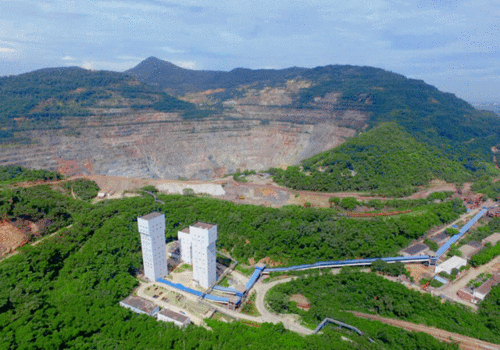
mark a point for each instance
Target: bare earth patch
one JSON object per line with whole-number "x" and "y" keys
{"x": 419, "y": 271}
{"x": 302, "y": 302}
{"x": 11, "y": 238}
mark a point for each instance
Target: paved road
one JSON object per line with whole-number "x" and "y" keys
{"x": 288, "y": 320}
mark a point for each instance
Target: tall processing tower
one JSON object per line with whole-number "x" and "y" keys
{"x": 204, "y": 255}
{"x": 198, "y": 249}
{"x": 154, "y": 253}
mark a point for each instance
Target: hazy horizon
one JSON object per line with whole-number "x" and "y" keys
{"x": 453, "y": 45}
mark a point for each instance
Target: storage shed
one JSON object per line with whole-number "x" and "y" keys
{"x": 454, "y": 262}
{"x": 167, "y": 315}
{"x": 140, "y": 305}
{"x": 485, "y": 288}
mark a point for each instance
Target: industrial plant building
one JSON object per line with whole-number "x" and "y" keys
{"x": 140, "y": 305}
{"x": 154, "y": 253}
{"x": 454, "y": 262}
{"x": 198, "y": 249}
{"x": 167, "y": 315}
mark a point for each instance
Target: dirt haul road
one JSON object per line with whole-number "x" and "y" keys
{"x": 464, "y": 342}
{"x": 256, "y": 191}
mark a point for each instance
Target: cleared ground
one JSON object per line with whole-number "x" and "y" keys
{"x": 464, "y": 342}
{"x": 11, "y": 238}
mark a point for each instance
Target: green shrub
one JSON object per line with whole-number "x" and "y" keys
{"x": 349, "y": 203}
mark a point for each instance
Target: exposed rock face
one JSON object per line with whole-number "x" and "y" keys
{"x": 163, "y": 145}
{"x": 257, "y": 127}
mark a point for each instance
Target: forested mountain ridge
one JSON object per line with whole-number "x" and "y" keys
{"x": 386, "y": 160}
{"x": 180, "y": 80}
{"x": 41, "y": 98}
{"x": 82, "y": 122}
{"x": 439, "y": 119}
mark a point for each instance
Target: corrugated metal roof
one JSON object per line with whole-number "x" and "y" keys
{"x": 414, "y": 249}
{"x": 455, "y": 262}
{"x": 485, "y": 288}
{"x": 139, "y": 303}
{"x": 174, "y": 315}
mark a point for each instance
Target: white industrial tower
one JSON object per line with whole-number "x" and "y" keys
{"x": 198, "y": 249}
{"x": 154, "y": 253}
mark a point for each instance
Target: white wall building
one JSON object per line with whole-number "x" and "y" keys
{"x": 140, "y": 305}
{"x": 186, "y": 245}
{"x": 154, "y": 252}
{"x": 198, "y": 249}
{"x": 167, "y": 315}
{"x": 454, "y": 262}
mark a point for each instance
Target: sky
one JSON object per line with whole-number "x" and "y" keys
{"x": 453, "y": 45}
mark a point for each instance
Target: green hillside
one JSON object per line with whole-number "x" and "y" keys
{"x": 369, "y": 293}
{"x": 64, "y": 293}
{"x": 386, "y": 160}
{"x": 39, "y": 99}
{"x": 439, "y": 119}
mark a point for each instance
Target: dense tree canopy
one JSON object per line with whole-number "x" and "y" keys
{"x": 330, "y": 295}
{"x": 10, "y": 174}
{"x": 64, "y": 292}
{"x": 385, "y": 160}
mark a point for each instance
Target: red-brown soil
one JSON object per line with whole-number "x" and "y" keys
{"x": 11, "y": 238}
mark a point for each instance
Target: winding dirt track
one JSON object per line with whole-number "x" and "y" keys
{"x": 464, "y": 342}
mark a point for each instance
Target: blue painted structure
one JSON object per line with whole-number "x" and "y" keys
{"x": 326, "y": 264}
{"x": 181, "y": 287}
{"x": 463, "y": 230}
{"x": 353, "y": 262}
{"x": 211, "y": 297}
{"x": 403, "y": 259}
{"x": 228, "y": 290}
{"x": 255, "y": 276}
{"x": 441, "y": 279}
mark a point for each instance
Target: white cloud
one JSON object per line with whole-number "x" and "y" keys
{"x": 6, "y": 51}
{"x": 186, "y": 64}
{"x": 129, "y": 58}
{"x": 88, "y": 65}
{"x": 172, "y": 50}
{"x": 68, "y": 58}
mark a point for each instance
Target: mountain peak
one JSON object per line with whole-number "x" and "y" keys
{"x": 152, "y": 66}
{"x": 154, "y": 61}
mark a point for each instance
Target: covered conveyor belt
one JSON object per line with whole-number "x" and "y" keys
{"x": 211, "y": 297}
{"x": 255, "y": 276}
{"x": 459, "y": 235}
{"x": 353, "y": 262}
{"x": 228, "y": 290}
